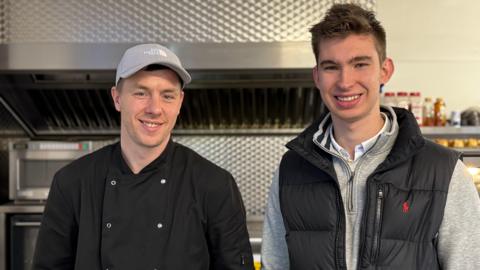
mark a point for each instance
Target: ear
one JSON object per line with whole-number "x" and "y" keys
{"x": 316, "y": 77}
{"x": 387, "y": 70}
{"x": 115, "y": 97}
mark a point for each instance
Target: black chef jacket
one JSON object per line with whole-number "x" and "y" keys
{"x": 180, "y": 212}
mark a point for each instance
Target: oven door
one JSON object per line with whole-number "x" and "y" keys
{"x": 34, "y": 175}
{"x": 23, "y": 236}
{"x": 33, "y": 166}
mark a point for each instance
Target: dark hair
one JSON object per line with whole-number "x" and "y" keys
{"x": 152, "y": 67}
{"x": 342, "y": 20}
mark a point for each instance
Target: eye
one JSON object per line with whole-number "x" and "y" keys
{"x": 361, "y": 65}
{"x": 169, "y": 97}
{"x": 139, "y": 93}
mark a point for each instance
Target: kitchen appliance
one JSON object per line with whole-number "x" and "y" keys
{"x": 23, "y": 237}
{"x": 32, "y": 165}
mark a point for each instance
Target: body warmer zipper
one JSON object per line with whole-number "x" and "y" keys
{"x": 378, "y": 222}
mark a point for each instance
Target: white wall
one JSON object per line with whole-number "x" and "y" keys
{"x": 435, "y": 45}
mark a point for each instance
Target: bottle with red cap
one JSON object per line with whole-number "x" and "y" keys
{"x": 416, "y": 106}
{"x": 389, "y": 99}
{"x": 402, "y": 100}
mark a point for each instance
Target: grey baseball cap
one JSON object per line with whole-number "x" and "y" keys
{"x": 140, "y": 56}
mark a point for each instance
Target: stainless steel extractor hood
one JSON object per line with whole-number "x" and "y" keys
{"x": 63, "y": 89}
{"x": 195, "y": 56}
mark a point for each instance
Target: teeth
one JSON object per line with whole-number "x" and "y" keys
{"x": 350, "y": 98}
{"x": 150, "y": 124}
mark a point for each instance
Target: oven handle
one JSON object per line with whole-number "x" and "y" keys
{"x": 27, "y": 223}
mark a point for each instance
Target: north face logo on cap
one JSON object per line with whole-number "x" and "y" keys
{"x": 153, "y": 51}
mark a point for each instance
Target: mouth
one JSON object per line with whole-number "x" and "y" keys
{"x": 150, "y": 124}
{"x": 347, "y": 98}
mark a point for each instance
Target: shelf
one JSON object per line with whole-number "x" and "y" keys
{"x": 468, "y": 151}
{"x": 473, "y": 131}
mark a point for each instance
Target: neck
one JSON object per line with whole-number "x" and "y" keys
{"x": 138, "y": 157}
{"x": 349, "y": 135}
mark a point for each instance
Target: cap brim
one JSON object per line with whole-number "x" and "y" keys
{"x": 182, "y": 73}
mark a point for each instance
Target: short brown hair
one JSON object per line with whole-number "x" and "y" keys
{"x": 342, "y": 20}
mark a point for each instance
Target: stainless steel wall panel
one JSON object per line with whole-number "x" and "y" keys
{"x": 99, "y": 21}
{"x": 3, "y": 29}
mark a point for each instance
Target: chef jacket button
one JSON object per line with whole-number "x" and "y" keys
{"x": 159, "y": 225}
{"x": 109, "y": 225}
{"x": 113, "y": 182}
{"x": 163, "y": 181}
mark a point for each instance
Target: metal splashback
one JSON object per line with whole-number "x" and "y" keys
{"x": 219, "y": 21}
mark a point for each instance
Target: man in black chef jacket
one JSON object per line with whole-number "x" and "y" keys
{"x": 145, "y": 202}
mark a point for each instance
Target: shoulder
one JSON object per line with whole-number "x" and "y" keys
{"x": 439, "y": 153}
{"x": 83, "y": 167}
{"x": 463, "y": 185}
{"x": 437, "y": 148}
{"x": 290, "y": 158}
{"x": 205, "y": 176}
{"x": 198, "y": 165}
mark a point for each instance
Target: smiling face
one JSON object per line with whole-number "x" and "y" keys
{"x": 349, "y": 75}
{"x": 149, "y": 103}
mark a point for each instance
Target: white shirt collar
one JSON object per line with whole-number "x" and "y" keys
{"x": 361, "y": 148}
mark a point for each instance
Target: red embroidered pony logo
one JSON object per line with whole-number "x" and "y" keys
{"x": 405, "y": 207}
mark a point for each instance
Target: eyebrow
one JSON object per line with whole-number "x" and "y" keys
{"x": 168, "y": 90}
{"x": 174, "y": 91}
{"x": 327, "y": 62}
{"x": 360, "y": 59}
{"x": 353, "y": 60}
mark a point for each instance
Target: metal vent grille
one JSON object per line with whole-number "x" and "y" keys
{"x": 78, "y": 109}
{"x": 8, "y": 125}
{"x": 98, "y": 21}
{"x": 91, "y": 111}
{"x": 251, "y": 160}
{"x": 248, "y": 108}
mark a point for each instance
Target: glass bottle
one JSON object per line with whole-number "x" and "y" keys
{"x": 440, "y": 113}
{"x": 402, "y": 100}
{"x": 416, "y": 107}
{"x": 389, "y": 99}
{"x": 428, "y": 113}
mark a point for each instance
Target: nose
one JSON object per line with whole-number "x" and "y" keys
{"x": 155, "y": 105}
{"x": 346, "y": 79}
